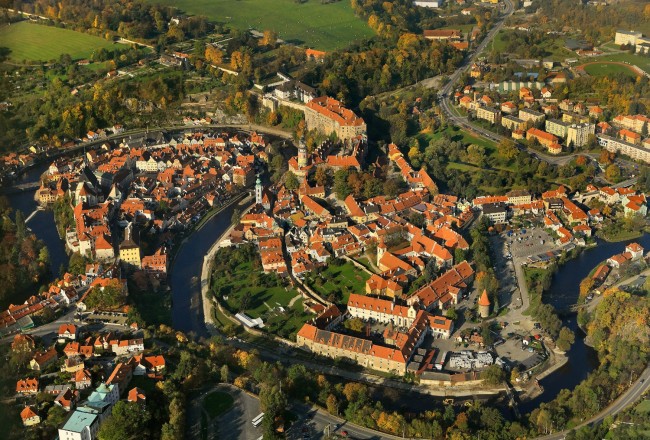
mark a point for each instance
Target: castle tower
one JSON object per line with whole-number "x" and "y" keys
{"x": 258, "y": 191}
{"x": 484, "y": 305}
{"x": 381, "y": 250}
{"x": 302, "y": 153}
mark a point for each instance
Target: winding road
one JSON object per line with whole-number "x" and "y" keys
{"x": 634, "y": 393}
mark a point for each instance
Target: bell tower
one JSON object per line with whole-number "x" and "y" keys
{"x": 302, "y": 153}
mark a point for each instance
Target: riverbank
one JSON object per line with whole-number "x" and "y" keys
{"x": 205, "y": 273}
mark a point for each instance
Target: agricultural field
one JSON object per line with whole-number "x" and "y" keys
{"x": 312, "y": 24}
{"x": 35, "y": 42}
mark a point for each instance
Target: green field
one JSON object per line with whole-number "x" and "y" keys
{"x": 35, "y": 42}
{"x": 217, "y": 403}
{"x": 340, "y": 281}
{"x": 604, "y": 69}
{"x": 313, "y": 24}
{"x": 554, "y": 48}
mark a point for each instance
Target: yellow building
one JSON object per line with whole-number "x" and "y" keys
{"x": 513, "y": 123}
{"x": 557, "y": 127}
{"x": 492, "y": 115}
{"x": 129, "y": 250}
{"x": 327, "y": 115}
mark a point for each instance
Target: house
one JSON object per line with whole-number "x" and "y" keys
{"x": 121, "y": 376}
{"x": 67, "y": 331}
{"x": 27, "y": 386}
{"x": 496, "y": 212}
{"x": 82, "y": 379}
{"x": 601, "y": 274}
{"x": 121, "y": 347}
{"x": 635, "y": 250}
{"x": 43, "y": 359}
{"x": 544, "y": 138}
{"x": 67, "y": 399}
{"x": 29, "y": 416}
{"x": 443, "y": 34}
{"x": 136, "y": 395}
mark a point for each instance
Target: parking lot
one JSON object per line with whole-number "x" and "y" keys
{"x": 532, "y": 242}
{"x": 514, "y": 352}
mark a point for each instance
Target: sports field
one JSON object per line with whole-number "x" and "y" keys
{"x": 313, "y": 24}
{"x": 603, "y": 69}
{"x": 35, "y": 42}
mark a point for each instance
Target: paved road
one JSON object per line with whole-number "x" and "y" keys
{"x": 234, "y": 424}
{"x": 634, "y": 393}
{"x": 315, "y": 423}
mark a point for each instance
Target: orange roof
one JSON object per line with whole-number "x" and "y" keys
{"x": 484, "y": 300}
{"x": 315, "y": 53}
{"x": 629, "y": 134}
{"x": 136, "y": 395}
{"x": 69, "y": 328}
{"x": 332, "y": 109}
{"x": 541, "y": 134}
{"x": 27, "y": 413}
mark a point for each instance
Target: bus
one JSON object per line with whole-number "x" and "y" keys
{"x": 257, "y": 421}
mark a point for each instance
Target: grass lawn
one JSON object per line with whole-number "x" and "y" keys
{"x": 240, "y": 285}
{"x": 35, "y": 42}
{"x": 602, "y": 69}
{"x": 644, "y": 406}
{"x": 641, "y": 61}
{"x": 457, "y": 134}
{"x": 499, "y": 42}
{"x": 321, "y": 26}
{"x": 345, "y": 278}
{"x": 217, "y": 403}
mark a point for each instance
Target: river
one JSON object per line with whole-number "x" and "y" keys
{"x": 42, "y": 224}
{"x": 564, "y": 291}
{"x": 185, "y": 277}
{"x": 187, "y": 311}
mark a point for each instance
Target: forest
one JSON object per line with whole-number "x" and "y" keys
{"x": 24, "y": 260}
{"x": 618, "y": 330}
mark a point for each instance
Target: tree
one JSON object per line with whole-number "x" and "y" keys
{"x": 493, "y": 375}
{"x": 291, "y": 182}
{"x": 236, "y": 216}
{"x": 269, "y": 38}
{"x": 213, "y": 55}
{"x": 476, "y": 155}
{"x": 225, "y": 373}
{"x": 127, "y": 421}
{"x": 605, "y": 157}
{"x": 321, "y": 176}
{"x": 508, "y": 149}
{"x": 452, "y": 314}
{"x": 566, "y": 339}
{"x": 612, "y": 172}
{"x": 486, "y": 333}
{"x": 355, "y": 325}
{"x": 341, "y": 187}
{"x": 586, "y": 285}
{"x": 332, "y": 404}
